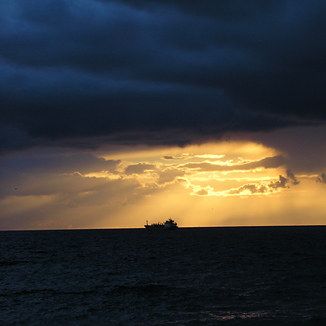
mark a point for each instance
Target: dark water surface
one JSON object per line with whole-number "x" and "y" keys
{"x": 200, "y": 276}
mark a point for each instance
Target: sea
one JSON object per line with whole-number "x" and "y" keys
{"x": 189, "y": 276}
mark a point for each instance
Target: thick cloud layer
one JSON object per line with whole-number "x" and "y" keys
{"x": 84, "y": 73}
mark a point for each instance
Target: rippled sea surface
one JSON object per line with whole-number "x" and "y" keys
{"x": 190, "y": 276}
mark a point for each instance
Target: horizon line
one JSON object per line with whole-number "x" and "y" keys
{"x": 180, "y": 227}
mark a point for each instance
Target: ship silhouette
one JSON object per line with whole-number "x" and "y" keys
{"x": 167, "y": 225}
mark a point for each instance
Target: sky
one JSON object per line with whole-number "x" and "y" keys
{"x": 116, "y": 112}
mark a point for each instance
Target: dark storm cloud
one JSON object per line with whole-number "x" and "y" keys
{"x": 157, "y": 72}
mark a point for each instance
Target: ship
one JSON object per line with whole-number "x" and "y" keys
{"x": 167, "y": 225}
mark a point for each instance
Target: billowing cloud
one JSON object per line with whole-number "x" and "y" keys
{"x": 258, "y": 188}
{"x": 201, "y": 192}
{"x": 268, "y": 162}
{"x": 265, "y": 188}
{"x": 90, "y": 73}
{"x": 169, "y": 175}
{"x": 252, "y": 188}
{"x": 292, "y": 177}
{"x": 139, "y": 168}
{"x": 280, "y": 183}
{"x": 321, "y": 178}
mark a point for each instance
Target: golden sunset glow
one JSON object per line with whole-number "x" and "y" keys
{"x": 220, "y": 169}
{"x": 213, "y": 184}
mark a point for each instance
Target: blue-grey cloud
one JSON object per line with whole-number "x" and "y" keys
{"x": 54, "y": 163}
{"x": 84, "y": 73}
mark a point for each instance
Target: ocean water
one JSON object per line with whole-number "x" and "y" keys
{"x": 191, "y": 276}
